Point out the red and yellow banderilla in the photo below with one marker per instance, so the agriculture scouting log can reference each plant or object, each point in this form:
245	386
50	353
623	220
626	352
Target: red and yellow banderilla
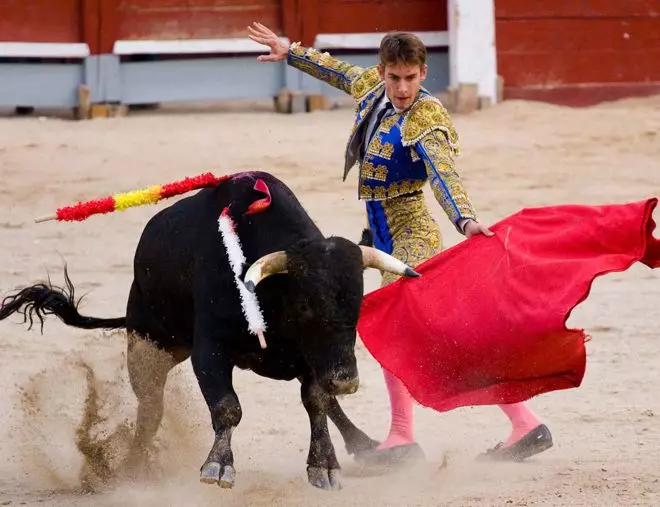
119	202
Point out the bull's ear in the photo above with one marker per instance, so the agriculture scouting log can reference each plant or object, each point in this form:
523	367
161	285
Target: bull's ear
367	238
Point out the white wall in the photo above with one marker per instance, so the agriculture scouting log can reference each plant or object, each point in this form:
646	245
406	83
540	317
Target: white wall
472	52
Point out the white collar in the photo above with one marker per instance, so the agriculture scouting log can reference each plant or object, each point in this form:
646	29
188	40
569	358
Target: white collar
385	100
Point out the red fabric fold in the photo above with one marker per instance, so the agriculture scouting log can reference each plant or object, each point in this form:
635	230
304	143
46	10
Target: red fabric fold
261	204
486	322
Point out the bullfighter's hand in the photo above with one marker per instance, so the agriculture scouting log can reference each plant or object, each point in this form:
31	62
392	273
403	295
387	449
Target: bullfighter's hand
473	228
263	35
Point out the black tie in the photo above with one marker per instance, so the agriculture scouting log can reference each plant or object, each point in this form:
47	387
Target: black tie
379	118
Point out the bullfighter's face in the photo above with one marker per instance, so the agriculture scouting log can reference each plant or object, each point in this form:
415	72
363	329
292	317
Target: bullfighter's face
402	82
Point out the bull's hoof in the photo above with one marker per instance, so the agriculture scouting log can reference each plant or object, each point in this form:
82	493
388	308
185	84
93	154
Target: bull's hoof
213	473
359	445
323	478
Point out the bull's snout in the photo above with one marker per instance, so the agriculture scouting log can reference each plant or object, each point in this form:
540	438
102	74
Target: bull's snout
344	386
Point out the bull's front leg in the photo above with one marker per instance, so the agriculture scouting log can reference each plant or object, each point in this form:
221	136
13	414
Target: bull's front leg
214	374
356	440
322	465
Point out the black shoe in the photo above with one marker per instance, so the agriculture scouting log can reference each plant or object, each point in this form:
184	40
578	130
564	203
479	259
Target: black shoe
535	442
397	455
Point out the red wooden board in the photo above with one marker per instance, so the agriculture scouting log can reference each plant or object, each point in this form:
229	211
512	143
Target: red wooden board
553	69
568	51
582	95
580	34
194	19
350	16
40	21
506	9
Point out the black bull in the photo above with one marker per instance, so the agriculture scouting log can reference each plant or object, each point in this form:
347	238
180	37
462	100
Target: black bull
184	301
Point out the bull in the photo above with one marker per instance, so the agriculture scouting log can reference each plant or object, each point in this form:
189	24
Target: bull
184	303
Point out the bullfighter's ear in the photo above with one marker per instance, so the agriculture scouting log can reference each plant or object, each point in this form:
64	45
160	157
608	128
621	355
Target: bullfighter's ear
367	238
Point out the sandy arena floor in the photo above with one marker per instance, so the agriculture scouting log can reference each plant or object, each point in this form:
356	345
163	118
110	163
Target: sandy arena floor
515	155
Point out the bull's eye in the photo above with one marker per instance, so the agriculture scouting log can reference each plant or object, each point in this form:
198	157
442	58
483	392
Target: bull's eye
303	308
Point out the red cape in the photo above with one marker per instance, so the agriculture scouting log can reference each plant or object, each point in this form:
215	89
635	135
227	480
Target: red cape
486	322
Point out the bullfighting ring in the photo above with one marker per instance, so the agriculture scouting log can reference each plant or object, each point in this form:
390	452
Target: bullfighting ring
67	407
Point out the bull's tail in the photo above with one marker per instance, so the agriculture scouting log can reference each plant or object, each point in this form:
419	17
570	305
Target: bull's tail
43	299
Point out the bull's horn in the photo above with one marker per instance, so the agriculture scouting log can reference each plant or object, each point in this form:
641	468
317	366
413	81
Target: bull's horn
374	258
269	264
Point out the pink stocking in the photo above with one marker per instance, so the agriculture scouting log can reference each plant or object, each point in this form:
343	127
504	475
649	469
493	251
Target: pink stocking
522	419
401	403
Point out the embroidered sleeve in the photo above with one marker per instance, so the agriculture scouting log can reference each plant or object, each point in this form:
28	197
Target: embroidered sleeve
445	182
322	66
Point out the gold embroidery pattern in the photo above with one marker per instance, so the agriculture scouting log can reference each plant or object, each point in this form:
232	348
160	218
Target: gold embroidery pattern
377	148
364	108
413	155
438	150
415	234
297	49
365	83
425	116
371	172
335	80
389	122
446	184
323	66
379	192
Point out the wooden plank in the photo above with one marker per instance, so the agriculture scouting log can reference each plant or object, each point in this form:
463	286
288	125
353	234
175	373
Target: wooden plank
467	98
485	102
82	111
346	16
500	88
317	102
580	95
90	11
629	34
282	102
40	21
291	19
372	40
99	111
239	45
309	14
560	68
110	25
44	50
515	9
198	19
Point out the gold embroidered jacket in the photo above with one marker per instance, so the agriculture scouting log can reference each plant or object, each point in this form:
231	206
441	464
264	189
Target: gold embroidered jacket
408	149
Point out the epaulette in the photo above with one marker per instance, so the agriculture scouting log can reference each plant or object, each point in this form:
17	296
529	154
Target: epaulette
426	115
365	83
